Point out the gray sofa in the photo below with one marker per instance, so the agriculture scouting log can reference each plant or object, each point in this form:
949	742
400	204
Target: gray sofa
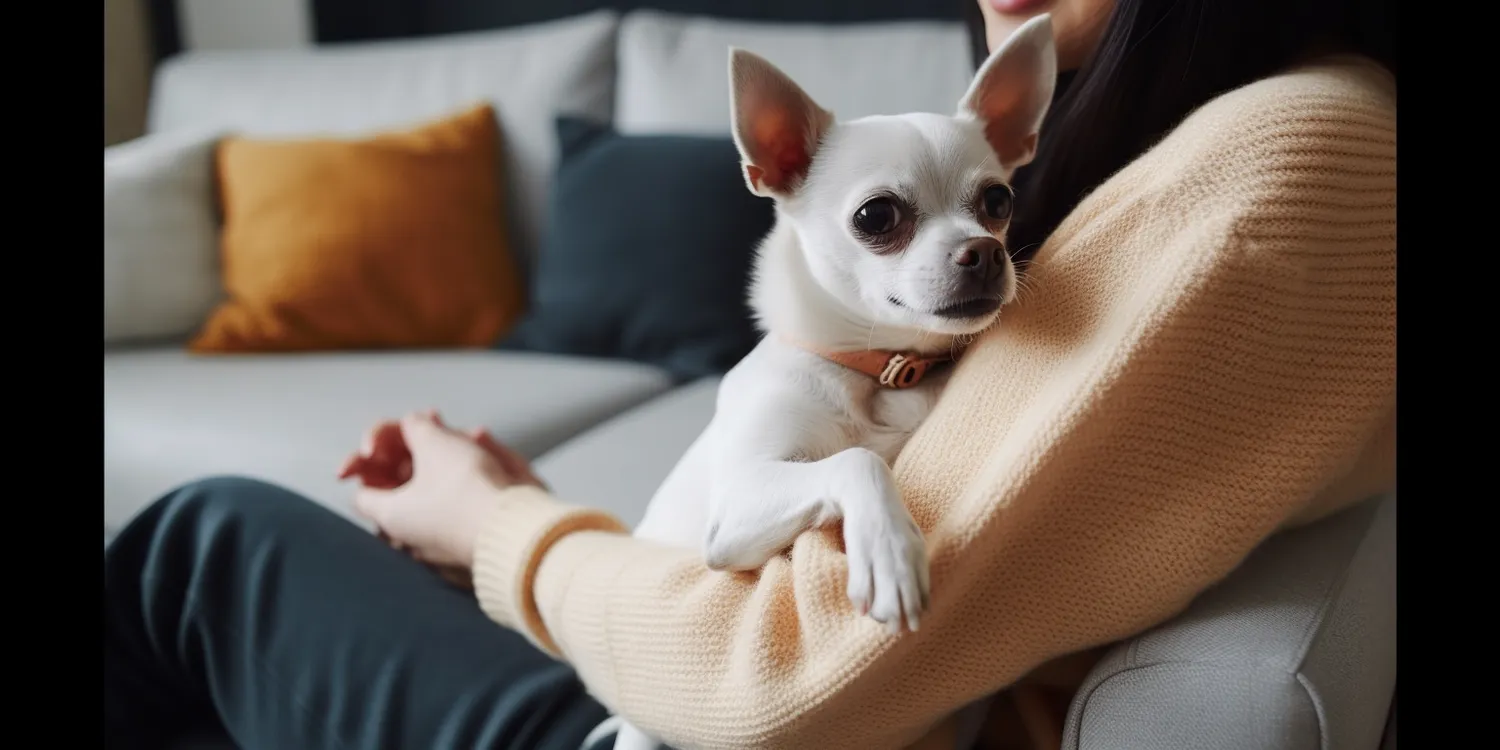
1296	650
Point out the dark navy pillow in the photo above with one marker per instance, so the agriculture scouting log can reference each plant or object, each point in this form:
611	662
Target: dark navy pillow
647	252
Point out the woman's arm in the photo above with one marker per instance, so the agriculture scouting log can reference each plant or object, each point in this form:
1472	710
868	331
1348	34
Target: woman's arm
1207	353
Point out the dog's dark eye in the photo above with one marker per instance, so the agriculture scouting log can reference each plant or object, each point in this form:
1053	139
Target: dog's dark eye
878	216
998	202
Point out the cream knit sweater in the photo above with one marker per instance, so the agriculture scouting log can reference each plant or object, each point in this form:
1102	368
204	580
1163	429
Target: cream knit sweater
1205	354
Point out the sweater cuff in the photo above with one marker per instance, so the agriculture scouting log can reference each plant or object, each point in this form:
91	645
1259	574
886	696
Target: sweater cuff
513	539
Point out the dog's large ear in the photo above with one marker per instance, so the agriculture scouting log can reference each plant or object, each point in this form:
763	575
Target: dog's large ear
1013	89
777	126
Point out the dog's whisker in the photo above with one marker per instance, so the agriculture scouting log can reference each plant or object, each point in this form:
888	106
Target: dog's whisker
1025	287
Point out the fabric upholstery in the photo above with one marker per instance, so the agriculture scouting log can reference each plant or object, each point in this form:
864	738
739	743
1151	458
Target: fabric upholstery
647	255
530	74
618	465
392	241
674	70
161	262
1297	649
170	417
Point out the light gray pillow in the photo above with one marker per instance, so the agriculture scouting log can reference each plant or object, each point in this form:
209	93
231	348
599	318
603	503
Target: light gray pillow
529	73
674	70
161	265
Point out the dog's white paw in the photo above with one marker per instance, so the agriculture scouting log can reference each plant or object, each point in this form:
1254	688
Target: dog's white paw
888	576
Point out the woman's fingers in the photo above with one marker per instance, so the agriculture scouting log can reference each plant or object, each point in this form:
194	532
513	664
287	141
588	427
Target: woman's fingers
383	459
352	465
377	474
384	537
386	461
365	509
383	440
420	428
374	505
515	465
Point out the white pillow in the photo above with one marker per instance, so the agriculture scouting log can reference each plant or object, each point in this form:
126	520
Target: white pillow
161	258
674	70
530	74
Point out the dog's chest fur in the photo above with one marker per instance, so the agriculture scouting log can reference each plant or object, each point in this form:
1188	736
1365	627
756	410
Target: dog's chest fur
882	419
853	410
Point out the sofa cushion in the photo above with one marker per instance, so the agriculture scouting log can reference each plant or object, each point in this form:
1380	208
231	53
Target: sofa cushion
161	259
171	417
618	465
391	242
531	74
647	255
674	69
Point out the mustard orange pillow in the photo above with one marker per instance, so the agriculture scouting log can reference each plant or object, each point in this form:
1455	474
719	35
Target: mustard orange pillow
396	240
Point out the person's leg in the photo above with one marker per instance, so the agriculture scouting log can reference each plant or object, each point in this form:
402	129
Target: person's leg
236	600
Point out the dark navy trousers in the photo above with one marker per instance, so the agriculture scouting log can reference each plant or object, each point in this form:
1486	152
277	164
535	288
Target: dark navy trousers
238	605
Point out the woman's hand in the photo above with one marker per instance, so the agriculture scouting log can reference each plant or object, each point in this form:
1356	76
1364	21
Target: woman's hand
427	487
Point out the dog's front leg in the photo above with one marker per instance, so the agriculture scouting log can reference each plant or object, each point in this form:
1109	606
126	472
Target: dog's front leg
760	508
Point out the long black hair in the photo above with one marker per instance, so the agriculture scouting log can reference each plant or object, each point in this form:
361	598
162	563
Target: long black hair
1157	61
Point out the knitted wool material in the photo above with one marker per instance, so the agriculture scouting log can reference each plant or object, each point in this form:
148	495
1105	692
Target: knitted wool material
1204	354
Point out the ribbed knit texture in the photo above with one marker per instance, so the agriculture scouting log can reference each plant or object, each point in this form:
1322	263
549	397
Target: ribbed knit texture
1204	353
522	529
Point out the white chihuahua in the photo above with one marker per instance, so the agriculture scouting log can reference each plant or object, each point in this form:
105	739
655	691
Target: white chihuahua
887	254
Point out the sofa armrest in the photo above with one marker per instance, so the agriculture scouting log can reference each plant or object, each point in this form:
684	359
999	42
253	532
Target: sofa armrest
1295	649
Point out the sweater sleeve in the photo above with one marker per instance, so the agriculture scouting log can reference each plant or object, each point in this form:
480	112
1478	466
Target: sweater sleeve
1206	352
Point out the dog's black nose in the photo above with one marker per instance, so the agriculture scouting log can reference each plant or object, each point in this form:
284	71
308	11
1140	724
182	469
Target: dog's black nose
981	256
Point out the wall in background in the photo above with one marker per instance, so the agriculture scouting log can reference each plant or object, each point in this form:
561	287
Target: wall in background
244	24
127	70
180	25
129	56
137	33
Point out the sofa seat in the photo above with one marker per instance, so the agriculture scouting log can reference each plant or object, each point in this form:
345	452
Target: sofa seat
171	417
618	465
